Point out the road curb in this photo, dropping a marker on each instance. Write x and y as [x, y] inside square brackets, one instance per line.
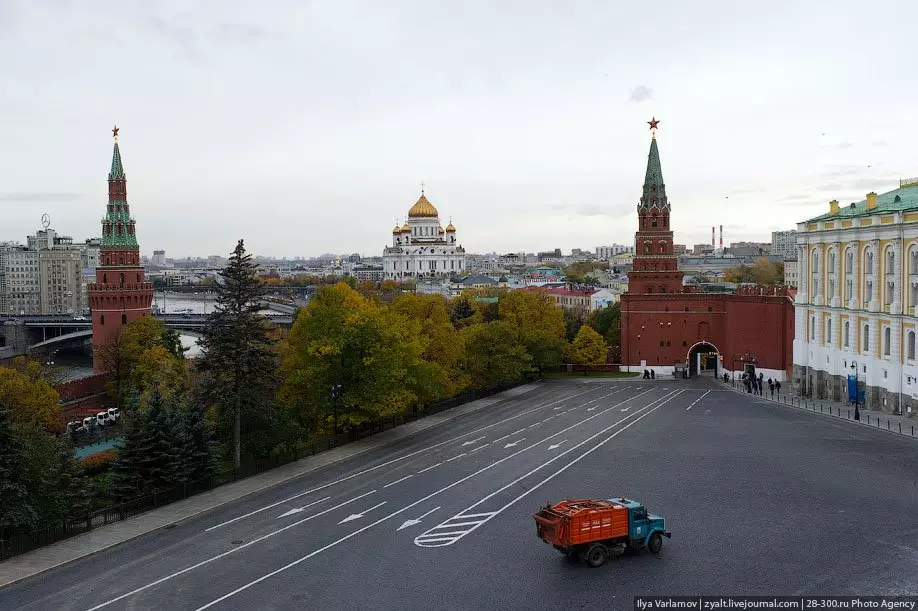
[484, 402]
[810, 411]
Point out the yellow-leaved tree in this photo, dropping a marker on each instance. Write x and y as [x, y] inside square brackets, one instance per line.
[30, 399]
[588, 348]
[540, 323]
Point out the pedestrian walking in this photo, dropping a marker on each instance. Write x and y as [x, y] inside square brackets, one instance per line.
[652, 374]
[771, 387]
[778, 387]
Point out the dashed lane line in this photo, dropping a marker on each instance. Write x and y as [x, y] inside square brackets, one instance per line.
[430, 467]
[403, 509]
[436, 537]
[395, 460]
[455, 457]
[697, 400]
[398, 480]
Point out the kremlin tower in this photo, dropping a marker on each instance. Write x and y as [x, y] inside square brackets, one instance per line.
[120, 293]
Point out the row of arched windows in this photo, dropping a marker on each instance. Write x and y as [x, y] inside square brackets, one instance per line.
[865, 338]
[863, 287]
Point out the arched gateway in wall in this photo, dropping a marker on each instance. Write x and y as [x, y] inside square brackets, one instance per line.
[703, 359]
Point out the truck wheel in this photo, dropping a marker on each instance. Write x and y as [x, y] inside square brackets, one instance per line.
[596, 556]
[656, 543]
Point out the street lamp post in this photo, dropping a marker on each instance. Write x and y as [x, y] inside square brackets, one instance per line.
[857, 412]
[335, 392]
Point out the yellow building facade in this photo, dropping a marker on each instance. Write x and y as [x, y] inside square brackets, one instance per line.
[855, 310]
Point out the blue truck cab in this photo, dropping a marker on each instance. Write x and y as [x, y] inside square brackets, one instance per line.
[644, 529]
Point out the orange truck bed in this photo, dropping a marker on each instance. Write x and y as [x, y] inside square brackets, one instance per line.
[574, 522]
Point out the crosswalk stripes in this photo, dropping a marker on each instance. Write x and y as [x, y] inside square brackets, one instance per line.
[453, 529]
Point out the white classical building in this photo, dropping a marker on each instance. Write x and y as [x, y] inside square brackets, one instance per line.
[855, 311]
[422, 248]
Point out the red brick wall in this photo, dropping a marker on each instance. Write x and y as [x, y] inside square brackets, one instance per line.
[75, 389]
[763, 325]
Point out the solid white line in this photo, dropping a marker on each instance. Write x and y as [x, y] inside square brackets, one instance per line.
[515, 432]
[430, 467]
[447, 534]
[395, 460]
[449, 524]
[398, 480]
[697, 400]
[455, 457]
[232, 551]
[426, 541]
[472, 515]
[309, 505]
[406, 508]
[665, 400]
[427, 514]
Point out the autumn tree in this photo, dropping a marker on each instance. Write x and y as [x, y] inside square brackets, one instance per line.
[29, 398]
[762, 271]
[588, 348]
[351, 360]
[540, 323]
[607, 322]
[238, 363]
[16, 512]
[493, 354]
[439, 376]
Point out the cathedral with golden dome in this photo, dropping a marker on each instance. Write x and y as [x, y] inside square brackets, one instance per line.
[422, 248]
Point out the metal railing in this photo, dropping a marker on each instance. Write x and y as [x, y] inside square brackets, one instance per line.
[25, 542]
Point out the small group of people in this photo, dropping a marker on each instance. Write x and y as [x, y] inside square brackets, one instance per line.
[649, 375]
[756, 384]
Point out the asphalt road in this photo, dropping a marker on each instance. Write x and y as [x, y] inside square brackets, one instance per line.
[760, 498]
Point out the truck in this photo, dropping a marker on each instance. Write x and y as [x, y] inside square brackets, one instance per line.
[593, 530]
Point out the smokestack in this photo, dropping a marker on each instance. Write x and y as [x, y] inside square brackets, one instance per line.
[712, 236]
[721, 237]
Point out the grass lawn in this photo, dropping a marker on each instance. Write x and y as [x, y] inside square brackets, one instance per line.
[591, 374]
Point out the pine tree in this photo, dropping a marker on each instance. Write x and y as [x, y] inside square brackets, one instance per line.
[161, 469]
[201, 456]
[72, 483]
[126, 479]
[16, 511]
[238, 362]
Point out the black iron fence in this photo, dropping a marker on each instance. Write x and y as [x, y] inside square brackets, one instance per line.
[25, 542]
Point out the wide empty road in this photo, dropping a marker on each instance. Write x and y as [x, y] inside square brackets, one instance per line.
[760, 498]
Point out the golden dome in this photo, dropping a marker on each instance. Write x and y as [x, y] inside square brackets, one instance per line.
[406, 228]
[440, 230]
[397, 229]
[450, 227]
[422, 208]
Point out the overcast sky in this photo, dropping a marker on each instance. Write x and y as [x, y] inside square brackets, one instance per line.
[306, 126]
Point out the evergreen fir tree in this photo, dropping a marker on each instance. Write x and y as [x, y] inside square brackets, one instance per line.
[72, 483]
[16, 511]
[201, 457]
[181, 439]
[160, 467]
[126, 480]
[238, 362]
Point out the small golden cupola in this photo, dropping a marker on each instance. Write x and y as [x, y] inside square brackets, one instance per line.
[406, 228]
[422, 208]
[396, 230]
[450, 228]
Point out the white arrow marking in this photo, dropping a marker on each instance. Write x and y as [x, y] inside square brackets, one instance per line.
[299, 509]
[354, 516]
[468, 443]
[589, 409]
[555, 446]
[559, 407]
[510, 445]
[625, 409]
[408, 523]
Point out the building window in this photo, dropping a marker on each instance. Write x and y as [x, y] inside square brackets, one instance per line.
[812, 328]
[828, 330]
[887, 336]
[866, 342]
[684, 343]
[101, 319]
[890, 262]
[653, 222]
[868, 267]
[847, 334]
[124, 319]
[868, 292]
[661, 343]
[668, 344]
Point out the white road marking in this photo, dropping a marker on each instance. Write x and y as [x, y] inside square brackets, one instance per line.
[398, 480]
[519, 431]
[547, 419]
[515, 443]
[481, 447]
[441, 540]
[414, 521]
[455, 457]
[534, 425]
[555, 446]
[341, 540]
[443, 531]
[697, 400]
[625, 409]
[502, 438]
[472, 442]
[299, 509]
[227, 553]
[395, 460]
[430, 467]
[355, 516]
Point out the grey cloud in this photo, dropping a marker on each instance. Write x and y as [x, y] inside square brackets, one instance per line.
[641, 93]
[183, 36]
[39, 197]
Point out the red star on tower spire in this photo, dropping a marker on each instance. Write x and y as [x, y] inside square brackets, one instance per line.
[115, 132]
[653, 123]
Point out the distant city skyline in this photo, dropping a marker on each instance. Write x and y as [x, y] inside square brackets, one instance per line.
[309, 127]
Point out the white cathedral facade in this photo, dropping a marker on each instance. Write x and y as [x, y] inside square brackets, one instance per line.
[421, 248]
